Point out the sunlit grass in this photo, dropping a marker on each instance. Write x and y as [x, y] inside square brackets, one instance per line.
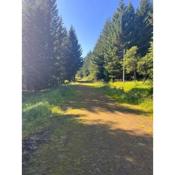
[97, 84]
[28, 106]
[129, 85]
[134, 94]
[56, 110]
[40, 108]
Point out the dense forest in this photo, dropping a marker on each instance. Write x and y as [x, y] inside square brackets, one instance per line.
[78, 116]
[51, 53]
[124, 49]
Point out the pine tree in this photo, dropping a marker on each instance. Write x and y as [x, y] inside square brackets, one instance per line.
[45, 45]
[119, 27]
[99, 58]
[129, 27]
[107, 52]
[86, 65]
[126, 30]
[74, 52]
[112, 63]
[87, 71]
[59, 37]
[144, 29]
[36, 57]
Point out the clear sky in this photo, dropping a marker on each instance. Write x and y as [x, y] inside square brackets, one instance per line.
[88, 18]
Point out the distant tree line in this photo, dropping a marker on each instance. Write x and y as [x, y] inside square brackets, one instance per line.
[125, 42]
[50, 53]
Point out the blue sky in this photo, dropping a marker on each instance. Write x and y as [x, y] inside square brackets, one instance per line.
[88, 18]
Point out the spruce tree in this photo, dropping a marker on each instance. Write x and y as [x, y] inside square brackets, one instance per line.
[112, 62]
[129, 26]
[59, 37]
[44, 45]
[36, 55]
[144, 26]
[74, 52]
[98, 59]
[126, 29]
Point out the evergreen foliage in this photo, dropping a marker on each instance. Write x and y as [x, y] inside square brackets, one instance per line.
[50, 53]
[75, 52]
[130, 30]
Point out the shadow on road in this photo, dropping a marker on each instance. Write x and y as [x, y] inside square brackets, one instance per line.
[79, 149]
[91, 98]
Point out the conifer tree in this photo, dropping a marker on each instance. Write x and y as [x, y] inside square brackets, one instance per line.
[88, 69]
[50, 54]
[74, 59]
[126, 29]
[129, 29]
[98, 59]
[36, 53]
[59, 38]
[112, 62]
[144, 29]
[119, 26]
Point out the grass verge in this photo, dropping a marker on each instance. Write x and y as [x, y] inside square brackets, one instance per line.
[39, 108]
[131, 94]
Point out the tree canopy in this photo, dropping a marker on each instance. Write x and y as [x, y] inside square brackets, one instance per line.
[127, 34]
[51, 54]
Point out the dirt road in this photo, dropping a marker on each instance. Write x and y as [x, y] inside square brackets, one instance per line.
[96, 136]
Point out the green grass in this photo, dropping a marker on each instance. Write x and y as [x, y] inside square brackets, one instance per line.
[138, 95]
[40, 108]
[131, 94]
[97, 84]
